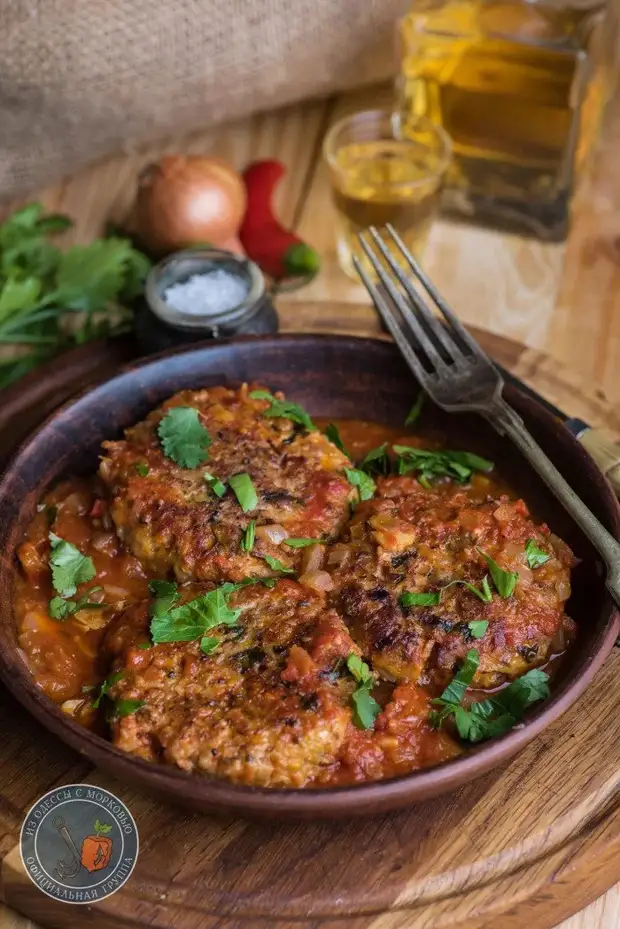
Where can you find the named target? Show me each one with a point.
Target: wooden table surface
(562, 299)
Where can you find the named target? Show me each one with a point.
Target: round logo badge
(79, 843)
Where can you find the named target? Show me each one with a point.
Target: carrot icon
(97, 849)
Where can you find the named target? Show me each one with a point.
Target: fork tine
(390, 321)
(432, 291)
(436, 328)
(420, 335)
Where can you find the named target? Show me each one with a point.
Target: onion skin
(189, 200)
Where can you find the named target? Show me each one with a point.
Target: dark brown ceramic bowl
(333, 377)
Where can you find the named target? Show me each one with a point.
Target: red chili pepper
(278, 251)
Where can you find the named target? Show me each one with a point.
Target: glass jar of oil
(507, 80)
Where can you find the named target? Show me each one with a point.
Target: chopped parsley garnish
(59, 608)
(194, 619)
(504, 581)
(365, 485)
(483, 592)
(69, 566)
(283, 409)
(331, 431)
(249, 536)
(303, 543)
(105, 687)
(495, 715)
(165, 595)
(125, 708)
(420, 599)
(414, 413)
(244, 491)
(377, 461)
(142, 468)
(215, 484)
(183, 437)
(365, 707)
(534, 555)
(276, 565)
(478, 628)
(432, 463)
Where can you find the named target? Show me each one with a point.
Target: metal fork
(458, 376)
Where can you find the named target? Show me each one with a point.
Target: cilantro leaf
(165, 595)
(215, 484)
(455, 691)
(432, 463)
(89, 277)
(535, 556)
(331, 431)
(377, 461)
(105, 687)
(303, 543)
(504, 581)
(244, 491)
(125, 708)
(365, 707)
(276, 565)
(420, 599)
(283, 409)
(192, 620)
(414, 413)
(358, 669)
(183, 437)
(142, 468)
(365, 485)
(478, 628)
(69, 566)
(209, 643)
(61, 609)
(249, 536)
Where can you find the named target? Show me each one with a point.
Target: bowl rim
(218, 795)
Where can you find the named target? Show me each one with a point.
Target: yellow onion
(186, 200)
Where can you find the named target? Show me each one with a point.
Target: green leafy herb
(365, 485)
(244, 491)
(483, 592)
(59, 608)
(194, 619)
(535, 556)
(102, 828)
(495, 715)
(126, 708)
(414, 413)
(377, 461)
(105, 687)
(165, 595)
(365, 707)
(276, 565)
(69, 566)
(504, 581)
(145, 645)
(331, 431)
(142, 468)
(420, 599)
(433, 463)
(303, 543)
(50, 300)
(209, 643)
(183, 437)
(282, 409)
(247, 543)
(478, 628)
(215, 484)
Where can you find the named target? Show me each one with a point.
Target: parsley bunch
(51, 300)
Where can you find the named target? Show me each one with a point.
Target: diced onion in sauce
(274, 534)
(312, 558)
(317, 580)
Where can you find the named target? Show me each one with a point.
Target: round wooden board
(528, 844)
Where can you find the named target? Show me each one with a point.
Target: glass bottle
(507, 79)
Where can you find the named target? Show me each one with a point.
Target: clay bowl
(333, 377)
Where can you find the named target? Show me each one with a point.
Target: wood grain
(562, 302)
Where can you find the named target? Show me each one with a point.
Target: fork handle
(507, 422)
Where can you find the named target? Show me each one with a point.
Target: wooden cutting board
(527, 845)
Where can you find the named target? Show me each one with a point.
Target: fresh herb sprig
(429, 464)
(192, 620)
(51, 300)
(366, 487)
(284, 409)
(535, 556)
(60, 608)
(494, 716)
(69, 566)
(183, 437)
(365, 707)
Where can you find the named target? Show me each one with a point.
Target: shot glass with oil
(379, 177)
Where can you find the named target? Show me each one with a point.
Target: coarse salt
(207, 294)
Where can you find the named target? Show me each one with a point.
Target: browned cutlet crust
(172, 521)
(409, 538)
(269, 708)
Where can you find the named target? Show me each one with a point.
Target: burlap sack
(83, 78)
